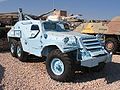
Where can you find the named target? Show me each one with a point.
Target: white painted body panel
(34, 42)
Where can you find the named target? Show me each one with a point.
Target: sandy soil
(16, 75)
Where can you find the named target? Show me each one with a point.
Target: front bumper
(96, 60)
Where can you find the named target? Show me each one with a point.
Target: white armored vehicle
(65, 50)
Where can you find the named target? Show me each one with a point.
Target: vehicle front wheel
(21, 55)
(111, 44)
(59, 66)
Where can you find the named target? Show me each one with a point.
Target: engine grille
(93, 46)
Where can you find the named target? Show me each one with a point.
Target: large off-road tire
(21, 55)
(60, 66)
(111, 44)
(13, 47)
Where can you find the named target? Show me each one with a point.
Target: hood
(68, 34)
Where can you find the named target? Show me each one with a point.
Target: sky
(90, 9)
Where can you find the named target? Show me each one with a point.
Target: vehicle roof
(39, 21)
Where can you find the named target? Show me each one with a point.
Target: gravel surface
(16, 75)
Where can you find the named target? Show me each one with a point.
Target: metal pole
(53, 4)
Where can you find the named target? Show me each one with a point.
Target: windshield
(53, 26)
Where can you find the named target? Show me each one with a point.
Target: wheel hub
(12, 48)
(110, 46)
(18, 51)
(57, 66)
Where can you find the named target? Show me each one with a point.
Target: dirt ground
(16, 75)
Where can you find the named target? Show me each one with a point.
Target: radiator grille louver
(93, 46)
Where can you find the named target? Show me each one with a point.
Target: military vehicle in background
(6, 21)
(110, 31)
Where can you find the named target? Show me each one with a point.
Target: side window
(34, 31)
(35, 27)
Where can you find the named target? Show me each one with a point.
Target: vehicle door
(34, 40)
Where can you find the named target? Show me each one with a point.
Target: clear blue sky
(90, 9)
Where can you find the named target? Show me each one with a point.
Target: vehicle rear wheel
(60, 66)
(13, 48)
(111, 44)
(21, 55)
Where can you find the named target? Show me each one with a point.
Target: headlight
(66, 40)
(70, 40)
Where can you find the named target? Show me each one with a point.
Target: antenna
(53, 4)
(21, 16)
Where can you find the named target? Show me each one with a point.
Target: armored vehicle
(110, 31)
(64, 49)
